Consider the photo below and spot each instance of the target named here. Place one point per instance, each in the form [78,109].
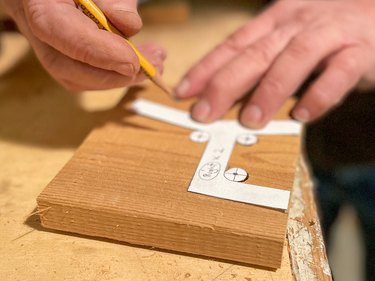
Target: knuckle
[260,53]
[322,100]
[209,62]
[232,46]
[199,72]
[217,84]
[218,90]
[235,42]
[273,87]
[281,6]
[304,16]
[286,6]
[37,19]
[302,45]
[348,66]
[278,35]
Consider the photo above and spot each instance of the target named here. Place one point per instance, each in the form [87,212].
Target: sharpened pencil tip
[161,84]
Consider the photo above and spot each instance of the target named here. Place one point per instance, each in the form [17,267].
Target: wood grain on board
[128,181]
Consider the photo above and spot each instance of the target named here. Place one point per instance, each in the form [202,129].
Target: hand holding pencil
[75,51]
[90,9]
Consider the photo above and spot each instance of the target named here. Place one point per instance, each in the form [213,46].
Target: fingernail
[183,88]
[252,116]
[201,111]
[301,114]
[127,69]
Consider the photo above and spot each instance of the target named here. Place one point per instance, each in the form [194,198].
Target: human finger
[199,75]
[299,58]
[68,30]
[342,73]
[241,74]
[78,76]
[197,78]
[123,14]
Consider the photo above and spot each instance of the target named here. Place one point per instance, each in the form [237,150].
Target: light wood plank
[130,184]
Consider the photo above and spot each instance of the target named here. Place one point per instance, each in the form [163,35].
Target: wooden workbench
[41,125]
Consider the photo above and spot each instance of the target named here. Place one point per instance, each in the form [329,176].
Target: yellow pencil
[93,12]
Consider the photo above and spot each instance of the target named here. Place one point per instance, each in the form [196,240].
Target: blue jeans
[354,185]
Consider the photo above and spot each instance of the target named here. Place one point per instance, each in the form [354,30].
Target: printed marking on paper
[210,177]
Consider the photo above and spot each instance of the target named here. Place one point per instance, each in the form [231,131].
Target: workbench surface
[41,125]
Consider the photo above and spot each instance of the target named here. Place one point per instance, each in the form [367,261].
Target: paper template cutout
[209,177]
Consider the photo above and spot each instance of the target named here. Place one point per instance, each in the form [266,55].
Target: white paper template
[209,177]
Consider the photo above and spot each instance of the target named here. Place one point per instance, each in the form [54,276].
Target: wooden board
[128,181]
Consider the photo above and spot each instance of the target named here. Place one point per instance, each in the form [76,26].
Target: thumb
[123,15]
